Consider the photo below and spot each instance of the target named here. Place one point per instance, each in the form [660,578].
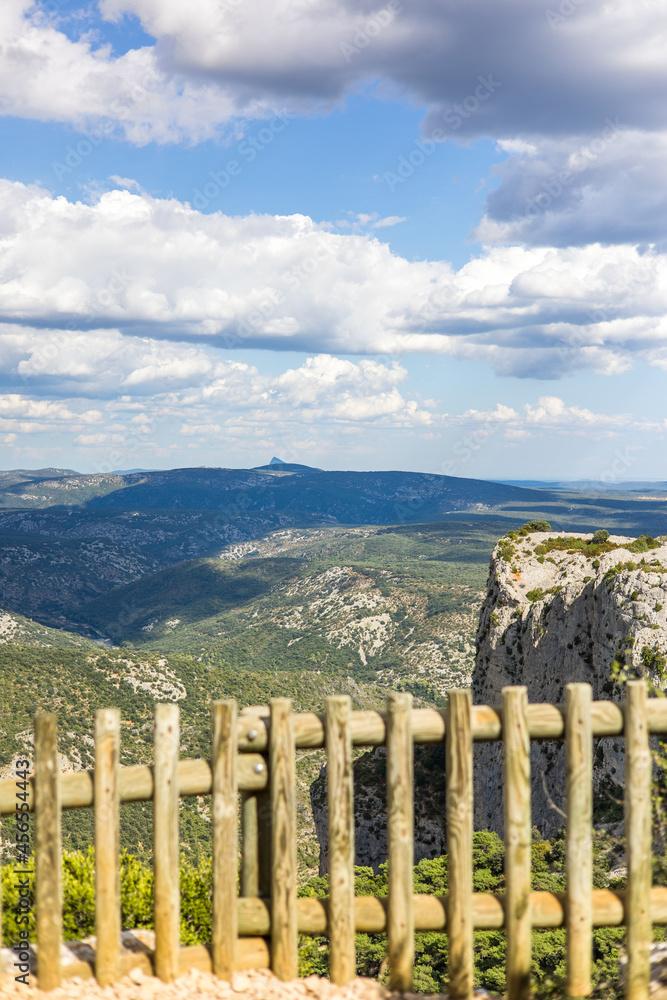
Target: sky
[427,235]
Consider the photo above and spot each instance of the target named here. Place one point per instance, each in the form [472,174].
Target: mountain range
[130,587]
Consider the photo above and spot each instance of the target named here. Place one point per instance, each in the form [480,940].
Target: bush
[136,893]
[599,537]
[531,526]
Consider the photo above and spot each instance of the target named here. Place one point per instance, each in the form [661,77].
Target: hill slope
[397,604]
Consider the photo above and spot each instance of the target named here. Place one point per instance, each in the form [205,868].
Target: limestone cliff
[563,608]
[558,608]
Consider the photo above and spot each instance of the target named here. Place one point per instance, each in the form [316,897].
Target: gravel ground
[259,984]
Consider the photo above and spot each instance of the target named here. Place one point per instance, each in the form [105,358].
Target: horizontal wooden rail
[367,728]
[136,783]
[370,912]
[428,725]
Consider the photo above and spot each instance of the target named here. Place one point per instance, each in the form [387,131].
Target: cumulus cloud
[551,413]
[45,75]
[324,393]
[607,188]
[323,389]
[435,52]
[90,290]
[29,416]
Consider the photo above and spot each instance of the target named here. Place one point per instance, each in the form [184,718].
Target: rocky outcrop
[559,609]
[370,806]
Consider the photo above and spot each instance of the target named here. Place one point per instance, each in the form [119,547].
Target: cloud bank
[87,289]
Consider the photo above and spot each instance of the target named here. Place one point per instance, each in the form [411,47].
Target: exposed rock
[370,807]
[552,616]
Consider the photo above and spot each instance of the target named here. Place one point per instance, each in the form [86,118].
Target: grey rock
[594,617]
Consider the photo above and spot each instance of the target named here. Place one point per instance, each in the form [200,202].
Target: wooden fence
[254,754]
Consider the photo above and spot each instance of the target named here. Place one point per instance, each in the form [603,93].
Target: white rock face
[556,616]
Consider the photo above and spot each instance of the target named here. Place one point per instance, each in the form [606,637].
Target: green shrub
[531,526]
[136,893]
[643,544]
[506,550]
[654,660]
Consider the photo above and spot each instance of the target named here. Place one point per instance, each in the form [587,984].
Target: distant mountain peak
[277,465]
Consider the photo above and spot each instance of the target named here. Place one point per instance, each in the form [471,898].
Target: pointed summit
[278,466]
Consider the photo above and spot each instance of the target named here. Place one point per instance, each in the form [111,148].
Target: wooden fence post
[400,829]
[579,798]
[459,776]
[225,838]
[638,840]
[284,950]
[48,863]
[166,843]
[107,824]
[340,807]
[518,827]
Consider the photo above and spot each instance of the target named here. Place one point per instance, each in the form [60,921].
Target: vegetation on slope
[73,683]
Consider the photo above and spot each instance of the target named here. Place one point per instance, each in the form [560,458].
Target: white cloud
[502,414]
[609,188]
[14,405]
[98,439]
[89,291]
[125,182]
[389,220]
[551,413]
[305,51]
[47,76]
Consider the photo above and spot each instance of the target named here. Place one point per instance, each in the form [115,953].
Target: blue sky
[355,235]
